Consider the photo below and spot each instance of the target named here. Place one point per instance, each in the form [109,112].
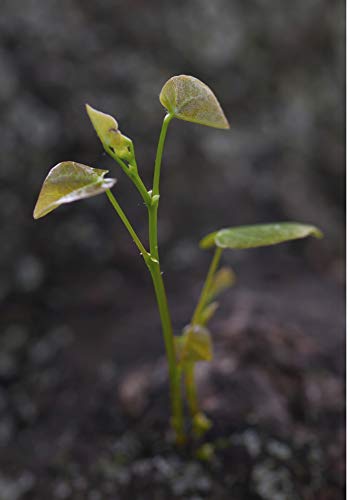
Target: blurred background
[77,307]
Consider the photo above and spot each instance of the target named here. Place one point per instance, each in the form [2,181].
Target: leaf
[194,344]
[208,241]
[107,129]
[208,313]
[259,235]
[70,181]
[187,98]
[201,424]
[222,280]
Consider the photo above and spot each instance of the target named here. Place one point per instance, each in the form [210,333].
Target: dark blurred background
[76,301]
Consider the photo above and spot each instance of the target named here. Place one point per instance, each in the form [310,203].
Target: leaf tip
[317,233]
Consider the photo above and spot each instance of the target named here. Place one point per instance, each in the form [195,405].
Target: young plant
[185,98]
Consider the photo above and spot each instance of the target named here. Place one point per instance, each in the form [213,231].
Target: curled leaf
[194,344]
[107,129]
[189,99]
[70,181]
[259,235]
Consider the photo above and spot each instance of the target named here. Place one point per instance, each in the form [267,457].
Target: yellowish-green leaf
[259,235]
[208,313]
[194,345]
[70,181]
[208,241]
[222,280]
[201,424]
[187,98]
[107,129]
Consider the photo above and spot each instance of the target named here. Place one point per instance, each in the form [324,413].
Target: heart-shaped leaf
[194,344]
[187,98]
[70,181]
[259,235]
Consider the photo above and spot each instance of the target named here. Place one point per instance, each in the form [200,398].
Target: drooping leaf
[187,98]
[70,181]
[222,280]
[107,129]
[194,344]
[259,235]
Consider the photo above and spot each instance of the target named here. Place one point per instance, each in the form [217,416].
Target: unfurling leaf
[208,313]
[259,235]
[107,129]
[187,98]
[222,280]
[194,344]
[70,181]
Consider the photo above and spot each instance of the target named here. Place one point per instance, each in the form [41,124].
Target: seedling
[185,98]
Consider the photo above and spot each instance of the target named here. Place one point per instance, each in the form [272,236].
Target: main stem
[155,270]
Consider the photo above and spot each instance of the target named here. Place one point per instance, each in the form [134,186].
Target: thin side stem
[128,225]
[207,285]
[132,173]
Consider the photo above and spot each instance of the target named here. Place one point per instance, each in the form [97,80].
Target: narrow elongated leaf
[70,181]
[222,280]
[208,313]
[187,98]
[194,344]
[259,235]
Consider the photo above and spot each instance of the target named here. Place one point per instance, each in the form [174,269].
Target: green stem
[128,225]
[174,371]
[154,205]
[207,285]
[160,292]
[192,397]
[159,153]
[132,173]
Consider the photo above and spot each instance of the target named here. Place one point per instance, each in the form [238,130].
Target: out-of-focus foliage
[259,235]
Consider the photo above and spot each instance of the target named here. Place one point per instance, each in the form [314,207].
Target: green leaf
[208,313]
[187,98]
[208,241]
[107,129]
[201,424]
[70,181]
[222,280]
[259,235]
[194,344]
